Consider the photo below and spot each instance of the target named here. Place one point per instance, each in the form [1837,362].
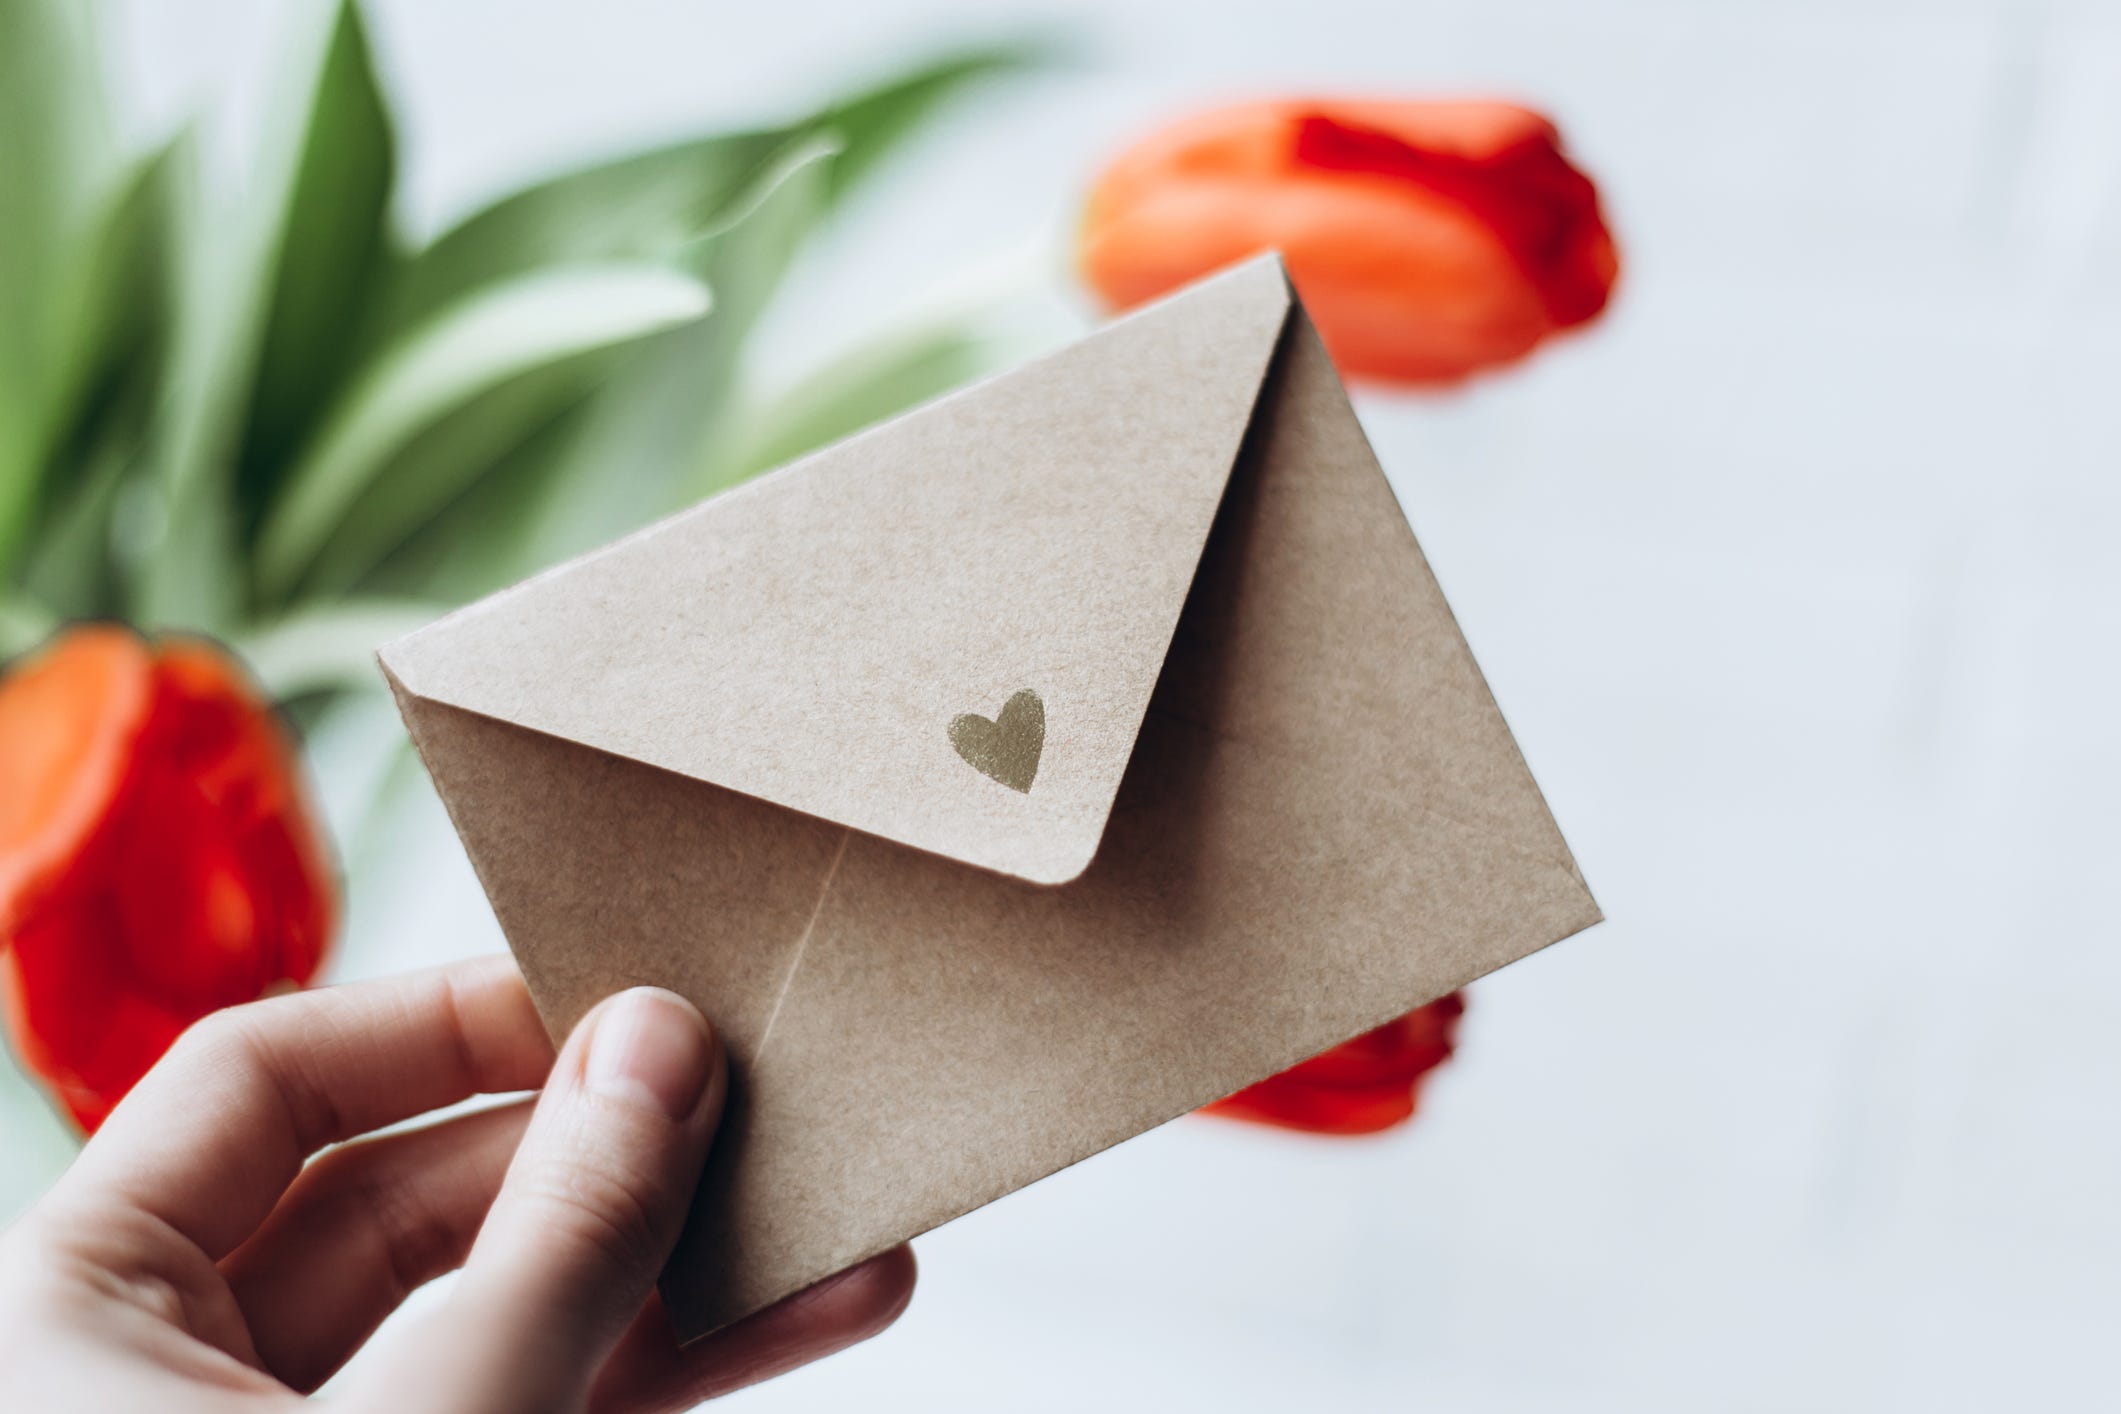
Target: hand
[190,1260]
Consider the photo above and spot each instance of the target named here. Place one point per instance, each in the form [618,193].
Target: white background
[1797,579]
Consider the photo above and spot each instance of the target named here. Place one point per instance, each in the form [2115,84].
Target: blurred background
[1795,575]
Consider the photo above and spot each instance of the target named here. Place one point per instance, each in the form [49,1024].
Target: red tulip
[1428,239]
[158,856]
[1361,1086]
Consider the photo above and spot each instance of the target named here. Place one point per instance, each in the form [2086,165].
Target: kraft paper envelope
[1004,781]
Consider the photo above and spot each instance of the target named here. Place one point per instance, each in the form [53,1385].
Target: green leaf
[482,539]
[76,562]
[656,204]
[55,162]
[177,536]
[626,453]
[645,436]
[116,352]
[187,532]
[330,647]
[122,289]
[488,340]
[642,208]
[872,125]
[854,392]
[436,468]
[332,260]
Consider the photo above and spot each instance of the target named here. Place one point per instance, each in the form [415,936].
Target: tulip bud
[1427,239]
[158,856]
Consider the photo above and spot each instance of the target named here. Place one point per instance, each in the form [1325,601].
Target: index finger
[214,1134]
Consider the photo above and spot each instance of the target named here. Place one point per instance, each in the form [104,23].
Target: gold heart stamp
[1008,747]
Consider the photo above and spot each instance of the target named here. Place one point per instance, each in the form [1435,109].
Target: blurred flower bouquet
[255,437]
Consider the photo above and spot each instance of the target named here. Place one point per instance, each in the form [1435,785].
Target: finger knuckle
[413,1240]
[222,1040]
[263,1055]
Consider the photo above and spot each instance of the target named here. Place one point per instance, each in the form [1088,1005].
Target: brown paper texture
[1003,782]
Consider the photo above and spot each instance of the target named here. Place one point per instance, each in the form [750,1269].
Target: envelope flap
[943,631]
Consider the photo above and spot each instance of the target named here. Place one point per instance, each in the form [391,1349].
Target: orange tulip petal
[68,719]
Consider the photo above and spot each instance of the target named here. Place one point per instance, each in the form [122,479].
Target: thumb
[588,1213]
